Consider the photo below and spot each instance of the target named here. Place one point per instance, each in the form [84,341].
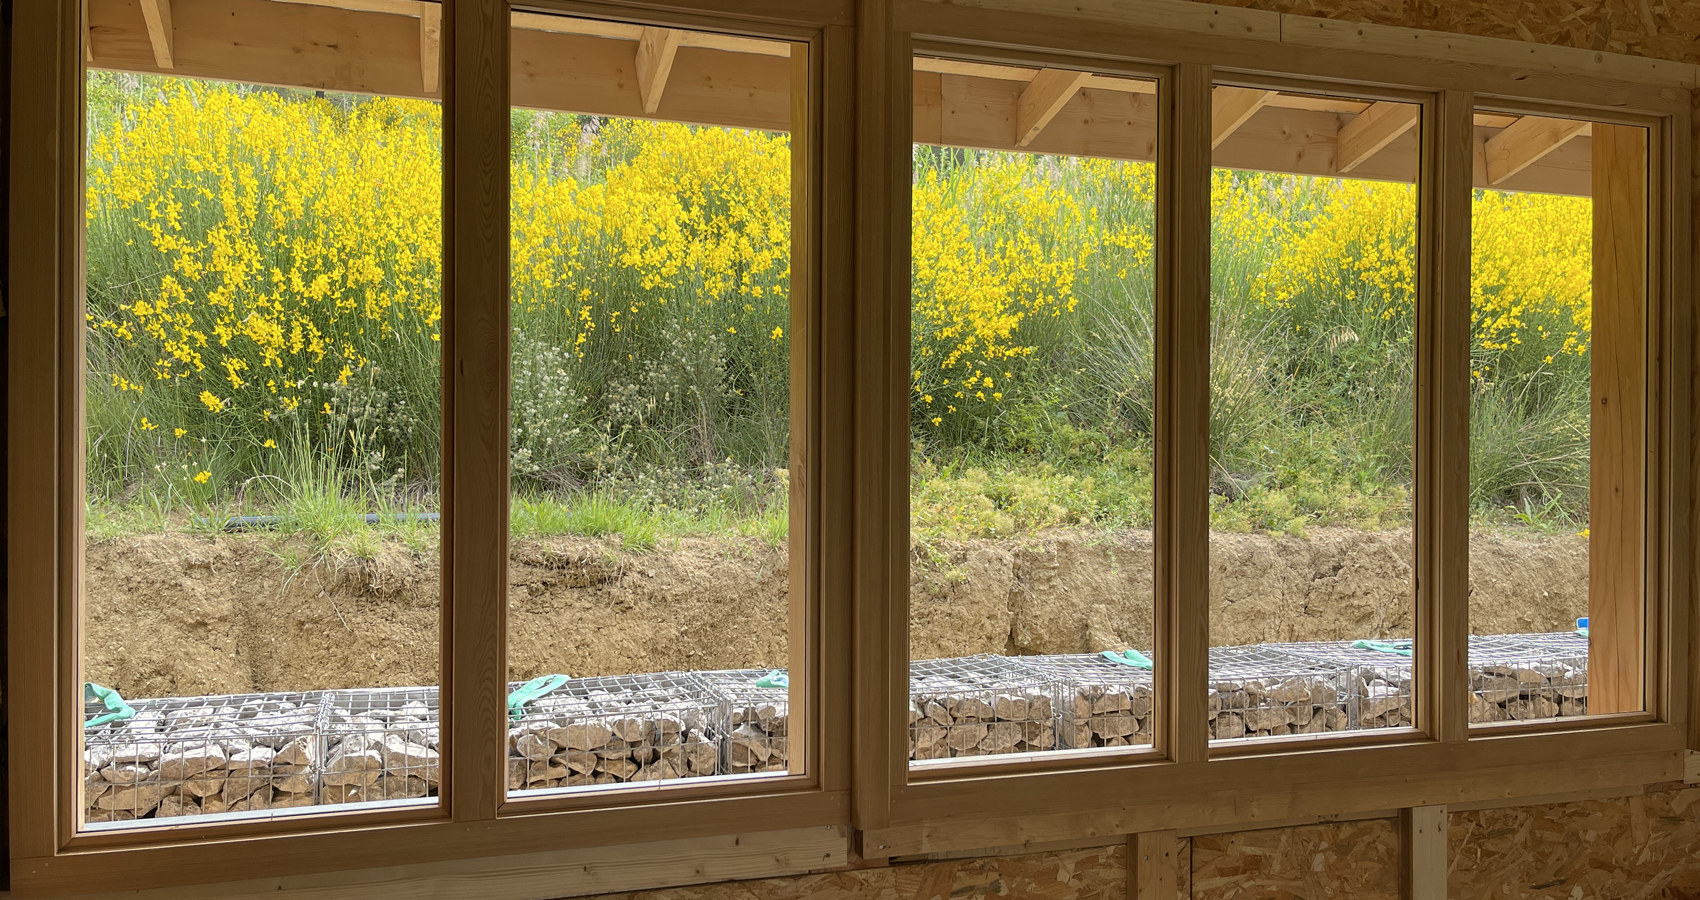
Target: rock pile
[754,705]
[210,755]
[380,746]
[615,730]
[1261,691]
[1100,703]
[979,706]
[205,755]
[1528,676]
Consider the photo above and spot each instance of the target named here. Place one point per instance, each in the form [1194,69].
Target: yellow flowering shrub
[248,251]
[1531,273]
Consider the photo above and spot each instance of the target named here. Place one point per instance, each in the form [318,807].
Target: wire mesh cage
[979,706]
[754,718]
[190,756]
[1517,677]
[1099,703]
[380,745]
[1375,677]
[615,730]
[1262,691]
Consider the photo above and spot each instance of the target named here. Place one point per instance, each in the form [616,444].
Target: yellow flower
[179,432]
[270,443]
[203,476]
[778,333]
[148,426]
[212,402]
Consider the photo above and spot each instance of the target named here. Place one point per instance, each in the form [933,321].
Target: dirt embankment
[176,614]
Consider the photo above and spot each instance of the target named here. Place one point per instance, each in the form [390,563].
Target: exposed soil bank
[176,614]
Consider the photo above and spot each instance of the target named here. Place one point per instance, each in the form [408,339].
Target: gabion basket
[618,729]
[1260,691]
[754,719]
[1377,683]
[380,745]
[979,706]
[1518,677]
[1099,703]
[191,756]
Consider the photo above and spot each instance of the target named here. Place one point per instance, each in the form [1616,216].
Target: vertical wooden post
[1422,841]
[1443,420]
[881,499]
[1617,427]
[1152,858]
[833,191]
[475,44]
[1182,568]
[803,626]
[44,548]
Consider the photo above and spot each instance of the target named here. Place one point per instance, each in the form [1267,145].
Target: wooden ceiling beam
[157,14]
[1042,99]
[430,47]
[1526,141]
[656,48]
[1371,130]
[1231,107]
[283,44]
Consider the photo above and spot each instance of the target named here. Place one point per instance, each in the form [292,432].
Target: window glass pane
[653,331]
[260,613]
[1557,418]
[1312,392]
[1031,411]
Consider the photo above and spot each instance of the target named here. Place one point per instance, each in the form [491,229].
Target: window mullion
[1443,418]
[1183,417]
[475,44]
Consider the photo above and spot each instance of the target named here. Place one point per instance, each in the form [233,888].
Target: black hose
[260,523]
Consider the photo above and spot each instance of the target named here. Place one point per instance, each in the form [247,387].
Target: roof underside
[614,69]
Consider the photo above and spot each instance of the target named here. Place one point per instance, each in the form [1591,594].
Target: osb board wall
[1338,859]
[1664,29]
[1645,847]
[1095,874]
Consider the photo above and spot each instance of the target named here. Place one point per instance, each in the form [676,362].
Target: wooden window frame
[943,808]
[858,791]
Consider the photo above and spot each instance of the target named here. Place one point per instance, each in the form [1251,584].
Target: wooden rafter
[1231,106]
[1043,98]
[430,47]
[157,13]
[656,49]
[1525,142]
[1371,130]
[573,66]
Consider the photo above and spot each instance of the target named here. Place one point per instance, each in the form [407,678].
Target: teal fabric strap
[530,691]
[1403,648]
[1129,657]
[116,709]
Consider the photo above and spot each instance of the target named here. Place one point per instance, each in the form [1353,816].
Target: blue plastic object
[1402,648]
[116,709]
[774,679]
[530,691]
[1129,657]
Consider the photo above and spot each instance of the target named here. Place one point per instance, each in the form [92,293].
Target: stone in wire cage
[754,717]
[381,745]
[1260,691]
[1518,677]
[979,706]
[1100,703]
[619,729]
[192,756]
[1377,683]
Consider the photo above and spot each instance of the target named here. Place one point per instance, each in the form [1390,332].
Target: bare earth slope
[172,614]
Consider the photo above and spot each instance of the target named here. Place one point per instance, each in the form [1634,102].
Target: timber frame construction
[1183,80]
